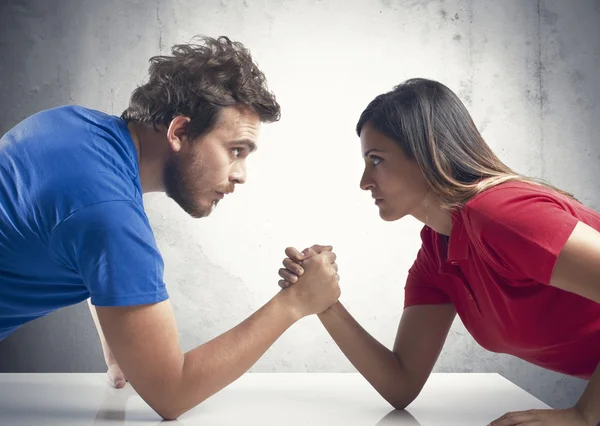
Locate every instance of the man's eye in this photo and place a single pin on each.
(236, 151)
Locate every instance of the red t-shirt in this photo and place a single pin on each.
(496, 271)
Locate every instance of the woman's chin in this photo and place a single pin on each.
(389, 215)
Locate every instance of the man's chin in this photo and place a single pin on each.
(199, 213)
(196, 211)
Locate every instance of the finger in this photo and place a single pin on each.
(515, 418)
(337, 277)
(284, 283)
(294, 254)
(319, 248)
(309, 252)
(116, 376)
(329, 256)
(334, 266)
(287, 275)
(293, 267)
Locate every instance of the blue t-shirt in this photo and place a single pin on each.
(72, 219)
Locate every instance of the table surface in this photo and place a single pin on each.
(262, 399)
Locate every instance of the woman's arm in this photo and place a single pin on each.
(577, 270)
(397, 375)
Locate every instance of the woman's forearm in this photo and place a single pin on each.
(379, 365)
(589, 403)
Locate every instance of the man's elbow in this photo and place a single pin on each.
(173, 406)
(169, 412)
(168, 416)
(169, 406)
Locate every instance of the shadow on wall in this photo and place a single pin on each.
(67, 345)
(56, 50)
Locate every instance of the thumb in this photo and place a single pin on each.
(310, 252)
(319, 248)
(116, 376)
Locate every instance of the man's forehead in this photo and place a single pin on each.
(239, 123)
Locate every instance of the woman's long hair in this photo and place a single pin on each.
(433, 127)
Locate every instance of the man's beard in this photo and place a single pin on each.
(180, 185)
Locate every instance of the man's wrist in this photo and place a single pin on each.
(285, 299)
(108, 356)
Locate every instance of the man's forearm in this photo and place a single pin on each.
(108, 356)
(589, 403)
(215, 364)
(374, 361)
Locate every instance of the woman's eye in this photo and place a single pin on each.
(376, 160)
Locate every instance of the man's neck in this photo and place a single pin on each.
(150, 147)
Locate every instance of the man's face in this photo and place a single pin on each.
(202, 171)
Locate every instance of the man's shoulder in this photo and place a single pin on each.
(59, 114)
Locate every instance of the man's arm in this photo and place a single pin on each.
(114, 372)
(144, 342)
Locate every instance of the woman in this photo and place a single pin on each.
(517, 259)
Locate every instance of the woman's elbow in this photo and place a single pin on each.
(400, 402)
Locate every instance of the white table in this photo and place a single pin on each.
(262, 399)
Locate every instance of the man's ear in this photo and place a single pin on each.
(176, 133)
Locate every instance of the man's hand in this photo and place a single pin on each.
(116, 376)
(293, 264)
(567, 417)
(318, 288)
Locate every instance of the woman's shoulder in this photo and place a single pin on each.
(516, 198)
(514, 190)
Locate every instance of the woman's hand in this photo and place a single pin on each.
(293, 264)
(566, 417)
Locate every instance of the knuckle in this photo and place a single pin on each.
(291, 252)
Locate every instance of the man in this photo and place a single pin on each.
(73, 226)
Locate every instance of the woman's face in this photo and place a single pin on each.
(395, 181)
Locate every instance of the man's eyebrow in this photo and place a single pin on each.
(249, 143)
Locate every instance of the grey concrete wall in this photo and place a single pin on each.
(527, 70)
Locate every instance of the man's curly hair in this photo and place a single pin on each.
(197, 81)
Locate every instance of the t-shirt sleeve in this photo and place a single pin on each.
(422, 282)
(112, 247)
(520, 231)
